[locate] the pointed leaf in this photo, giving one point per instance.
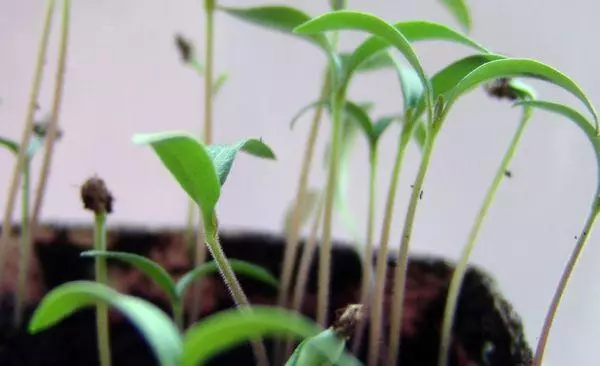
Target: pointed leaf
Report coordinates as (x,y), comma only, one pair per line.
(358,115)
(240,267)
(412,88)
(150,268)
(223,156)
(308,206)
(10,145)
(190,164)
(229,328)
(352,20)
(381,126)
(460,10)
(513,67)
(413,31)
(156,327)
(305,109)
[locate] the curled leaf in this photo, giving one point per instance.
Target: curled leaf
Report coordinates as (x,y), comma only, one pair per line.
(156,327)
(229,328)
(223,156)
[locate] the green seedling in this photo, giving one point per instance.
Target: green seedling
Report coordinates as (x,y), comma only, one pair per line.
(175,291)
(201,171)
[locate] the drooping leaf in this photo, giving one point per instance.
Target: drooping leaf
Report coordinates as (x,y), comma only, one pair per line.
(380,29)
(156,327)
(240,267)
(308,207)
(412,88)
(10,145)
(460,10)
(190,164)
(413,31)
(515,67)
(358,115)
(305,109)
(150,268)
(277,17)
(229,328)
(223,156)
(570,113)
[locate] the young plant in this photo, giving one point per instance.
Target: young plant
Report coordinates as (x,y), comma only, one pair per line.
(175,291)
(201,171)
(385,35)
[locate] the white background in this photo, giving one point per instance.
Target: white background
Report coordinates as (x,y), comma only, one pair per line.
(124,76)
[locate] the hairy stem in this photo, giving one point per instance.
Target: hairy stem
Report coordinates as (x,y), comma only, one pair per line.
(325,248)
(200,257)
(367,260)
(52,131)
(232,283)
(289,257)
(564,279)
(401,264)
(25,248)
(461,267)
(101,277)
(11,196)
(381,264)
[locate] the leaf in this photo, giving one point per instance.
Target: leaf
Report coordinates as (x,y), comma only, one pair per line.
(219,83)
(420,134)
(229,328)
(305,109)
(277,17)
(240,267)
(190,164)
(512,67)
(460,10)
(309,204)
(413,31)
(362,119)
(381,60)
(152,269)
(352,20)
(223,156)
(324,348)
(381,126)
(10,145)
(156,327)
(571,114)
(411,86)
(35,143)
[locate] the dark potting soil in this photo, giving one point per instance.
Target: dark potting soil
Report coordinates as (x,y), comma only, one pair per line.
(487,331)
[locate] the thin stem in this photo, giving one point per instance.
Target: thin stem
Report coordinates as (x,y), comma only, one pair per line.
(325,248)
(461,267)
(101,277)
(381,265)
(52,131)
(564,279)
(25,247)
(401,264)
(178,315)
(26,135)
(304,266)
(199,259)
(232,283)
(367,265)
(289,257)
(191,213)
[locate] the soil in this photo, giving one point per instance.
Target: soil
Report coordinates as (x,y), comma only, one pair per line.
(487,330)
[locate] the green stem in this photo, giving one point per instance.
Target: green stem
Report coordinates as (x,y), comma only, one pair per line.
(178,314)
(381,264)
(21,297)
(52,131)
(26,135)
(401,264)
(459,272)
(325,248)
(543,339)
(102,278)
(367,260)
(232,283)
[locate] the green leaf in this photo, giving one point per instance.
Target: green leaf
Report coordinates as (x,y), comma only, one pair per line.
(381,126)
(352,20)
(10,145)
(190,164)
(412,89)
(381,60)
(571,114)
(513,67)
(223,156)
(305,109)
(156,327)
(240,267)
(324,348)
(229,328)
(309,204)
(219,83)
(460,10)
(152,269)
(277,17)
(420,134)
(363,120)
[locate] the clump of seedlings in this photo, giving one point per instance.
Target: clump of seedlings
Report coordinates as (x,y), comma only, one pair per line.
(201,168)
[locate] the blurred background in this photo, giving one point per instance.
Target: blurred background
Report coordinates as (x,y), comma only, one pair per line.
(124,76)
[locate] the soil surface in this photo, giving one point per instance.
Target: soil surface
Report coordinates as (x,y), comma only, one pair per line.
(487,331)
